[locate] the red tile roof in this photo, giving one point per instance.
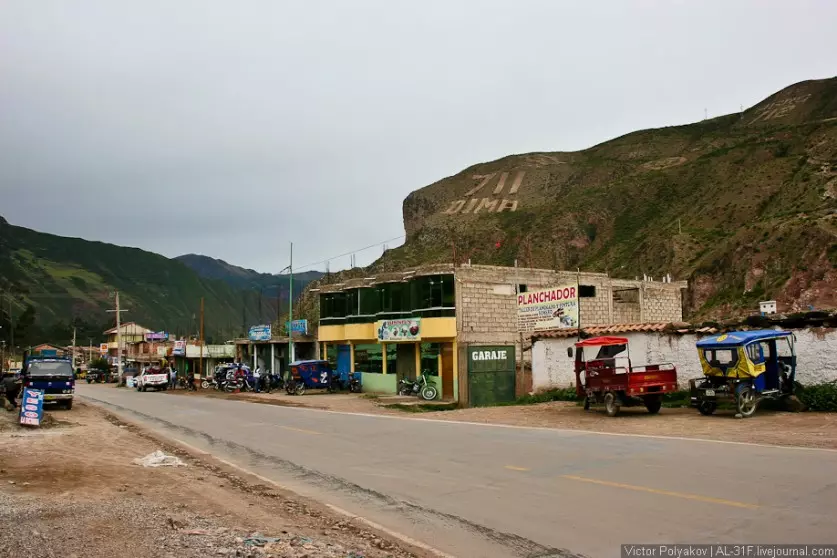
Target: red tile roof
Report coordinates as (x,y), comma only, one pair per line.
(616,329)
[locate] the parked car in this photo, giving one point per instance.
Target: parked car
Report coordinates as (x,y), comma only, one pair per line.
(152,377)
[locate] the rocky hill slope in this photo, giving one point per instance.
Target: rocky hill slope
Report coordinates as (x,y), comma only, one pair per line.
(743,206)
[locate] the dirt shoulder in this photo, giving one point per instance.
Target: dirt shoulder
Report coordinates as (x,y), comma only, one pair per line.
(814,430)
(71,489)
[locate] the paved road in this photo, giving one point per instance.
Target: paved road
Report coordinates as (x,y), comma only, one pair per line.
(484,490)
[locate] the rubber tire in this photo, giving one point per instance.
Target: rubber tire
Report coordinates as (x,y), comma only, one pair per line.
(653,404)
(587,403)
(144,388)
(749,391)
(299,389)
(429,393)
(355,388)
(205,384)
(68,405)
(706,408)
(611,404)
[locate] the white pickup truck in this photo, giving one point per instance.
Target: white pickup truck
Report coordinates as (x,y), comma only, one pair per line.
(152,378)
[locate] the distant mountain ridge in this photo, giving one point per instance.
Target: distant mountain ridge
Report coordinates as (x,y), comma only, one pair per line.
(55,283)
(744,206)
(242,278)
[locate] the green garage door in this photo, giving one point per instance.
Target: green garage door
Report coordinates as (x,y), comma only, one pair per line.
(490,375)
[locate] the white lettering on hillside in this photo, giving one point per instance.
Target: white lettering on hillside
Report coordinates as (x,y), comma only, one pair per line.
(495,204)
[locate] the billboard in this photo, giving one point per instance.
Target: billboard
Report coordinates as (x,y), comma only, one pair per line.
(553,308)
(179,348)
(297,326)
(157,336)
(260,333)
(393,331)
(103,349)
(32,407)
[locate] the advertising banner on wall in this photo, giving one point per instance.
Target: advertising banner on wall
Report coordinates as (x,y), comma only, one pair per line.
(394,331)
(554,308)
(260,333)
(179,348)
(103,349)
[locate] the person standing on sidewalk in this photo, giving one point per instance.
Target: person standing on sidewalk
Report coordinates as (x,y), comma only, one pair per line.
(257,379)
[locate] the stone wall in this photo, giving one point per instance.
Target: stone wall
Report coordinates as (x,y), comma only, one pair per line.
(552,368)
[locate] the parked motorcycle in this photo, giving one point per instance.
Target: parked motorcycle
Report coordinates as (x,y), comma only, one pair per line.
(354,385)
(420,387)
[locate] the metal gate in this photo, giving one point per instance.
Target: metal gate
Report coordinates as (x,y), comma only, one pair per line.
(490,374)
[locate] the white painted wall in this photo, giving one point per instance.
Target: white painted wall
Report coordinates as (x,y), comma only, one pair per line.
(816,351)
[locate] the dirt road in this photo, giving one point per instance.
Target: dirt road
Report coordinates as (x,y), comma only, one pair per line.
(71,490)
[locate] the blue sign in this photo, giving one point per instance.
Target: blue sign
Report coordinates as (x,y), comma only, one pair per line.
(49,353)
(32,407)
(297,326)
(260,333)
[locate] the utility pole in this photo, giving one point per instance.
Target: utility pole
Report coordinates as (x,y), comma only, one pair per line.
(74,349)
(118,339)
(89,351)
(200,366)
(291,309)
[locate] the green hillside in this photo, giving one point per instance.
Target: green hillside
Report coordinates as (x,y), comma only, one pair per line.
(242,278)
(70,281)
(743,206)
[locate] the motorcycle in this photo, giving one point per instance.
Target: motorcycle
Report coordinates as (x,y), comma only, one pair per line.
(273,381)
(207,383)
(420,387)
(354,385)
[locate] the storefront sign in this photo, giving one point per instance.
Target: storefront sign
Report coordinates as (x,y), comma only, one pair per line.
(103,349)
(157,336)
(260,333)
(32,407)
(297,326)
(179,348)
(490,355)
(555,308)
(391,331)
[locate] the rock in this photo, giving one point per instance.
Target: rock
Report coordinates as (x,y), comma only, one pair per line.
(12,482)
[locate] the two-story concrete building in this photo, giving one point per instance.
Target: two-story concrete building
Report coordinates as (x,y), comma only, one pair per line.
(458,325)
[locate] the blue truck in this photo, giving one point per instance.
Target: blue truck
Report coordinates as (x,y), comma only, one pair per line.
(53,375)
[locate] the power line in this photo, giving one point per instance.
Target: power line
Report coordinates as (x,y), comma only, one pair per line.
(349,253)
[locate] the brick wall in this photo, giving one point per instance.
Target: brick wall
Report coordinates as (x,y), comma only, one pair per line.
(487,308)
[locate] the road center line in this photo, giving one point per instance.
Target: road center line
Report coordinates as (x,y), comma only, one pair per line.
(515,468)
(650,490)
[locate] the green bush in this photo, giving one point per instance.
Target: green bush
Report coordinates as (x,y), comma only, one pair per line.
(820,397)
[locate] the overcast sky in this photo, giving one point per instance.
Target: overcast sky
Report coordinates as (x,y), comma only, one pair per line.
(229,128)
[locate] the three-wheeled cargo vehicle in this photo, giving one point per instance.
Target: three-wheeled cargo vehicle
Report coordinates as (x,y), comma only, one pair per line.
(746,366)
(310,374)
(609,377)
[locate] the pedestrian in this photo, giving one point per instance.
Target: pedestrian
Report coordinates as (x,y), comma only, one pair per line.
(257,379)
(173,377)
(267,378)
(11,384)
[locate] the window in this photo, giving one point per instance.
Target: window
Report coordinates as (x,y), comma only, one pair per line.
(721,357)
(430,358)
(369,301)
(392,359)
(394,300)
(369,358)
(610,351)
(522,288)
(586,291)
(433,296)
(332,308)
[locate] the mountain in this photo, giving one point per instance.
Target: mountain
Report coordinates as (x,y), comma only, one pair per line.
(57,282)
(743,206)
(241,278)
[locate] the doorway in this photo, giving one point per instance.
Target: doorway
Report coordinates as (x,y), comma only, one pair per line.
(447,370)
